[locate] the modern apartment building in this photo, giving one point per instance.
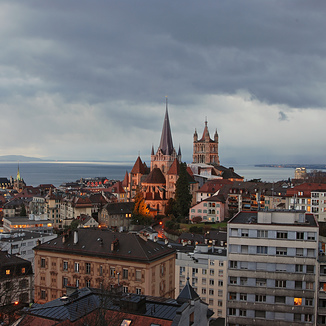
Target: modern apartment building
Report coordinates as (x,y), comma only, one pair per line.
(206,270)
(272,268)
(102,259)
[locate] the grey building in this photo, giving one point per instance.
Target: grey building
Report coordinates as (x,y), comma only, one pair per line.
(272,268)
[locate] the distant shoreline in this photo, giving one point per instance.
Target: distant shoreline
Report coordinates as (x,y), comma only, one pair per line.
(293,166)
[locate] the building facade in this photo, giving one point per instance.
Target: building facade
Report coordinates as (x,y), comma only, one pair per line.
(272,268)
(101,258)
(206,269)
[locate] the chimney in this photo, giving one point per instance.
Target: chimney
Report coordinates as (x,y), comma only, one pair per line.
(75,237)
(115,245)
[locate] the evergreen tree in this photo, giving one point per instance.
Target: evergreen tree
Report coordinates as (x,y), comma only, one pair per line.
(183,196)
(23,210)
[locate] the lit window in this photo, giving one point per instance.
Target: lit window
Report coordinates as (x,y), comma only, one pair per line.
(23,270)
(126,322)
(7,271)
(297,301)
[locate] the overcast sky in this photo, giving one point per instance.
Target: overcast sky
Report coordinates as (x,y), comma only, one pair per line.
(87,80)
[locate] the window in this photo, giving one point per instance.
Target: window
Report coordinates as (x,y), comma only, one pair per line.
(220,293)
(262,234)
(212,263)
(260,298)
(211,292)
(42,262)
(220,303)
(125,289)
(260,314)
(307,317)
(88,283)
(182,269)
(220,264)
(299,252)
(234,232)
(43,294)
(299,268)
(138,275)
(281,235)
(279,299)
(309,285)
(242,312)
(310,269)
(243,280)
(101,270)
(203,281)
(281,267)
(233,280)
(311,252)
(138,291)
(311,236)
(243,296)
(281,251)
(88,268)
(7,271)
(244,233)
(204,271)
(76,267)
(297,301)
(220,283)
(211,272)
(65,265)
(125,273)
(300,235)
(220,273)
(297,317)
(77,283)
(112,271)
(233,264)
(194,271)
(64,281)
(211,282)
(261,282)
(203,291)
(244,249)
(23,270)
(280,283)
(125,322)
(232,296)
(262,250)
(232,311)
(298,285)
(309,302)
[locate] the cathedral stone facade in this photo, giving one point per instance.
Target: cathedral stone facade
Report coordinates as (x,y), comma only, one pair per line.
(206,149)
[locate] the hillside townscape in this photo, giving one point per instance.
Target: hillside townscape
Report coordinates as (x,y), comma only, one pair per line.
(170,244)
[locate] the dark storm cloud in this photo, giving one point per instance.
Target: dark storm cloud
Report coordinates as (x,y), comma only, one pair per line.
(106,66)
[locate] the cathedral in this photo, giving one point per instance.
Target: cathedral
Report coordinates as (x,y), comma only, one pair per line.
(206,149)
(158,182)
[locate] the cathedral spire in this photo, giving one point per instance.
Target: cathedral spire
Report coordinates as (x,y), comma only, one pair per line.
(166,144)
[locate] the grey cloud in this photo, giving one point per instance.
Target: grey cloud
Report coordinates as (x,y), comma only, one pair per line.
(282,116)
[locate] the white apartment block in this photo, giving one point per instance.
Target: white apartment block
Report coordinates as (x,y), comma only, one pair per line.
(206,268)
(272,268)
(21,244)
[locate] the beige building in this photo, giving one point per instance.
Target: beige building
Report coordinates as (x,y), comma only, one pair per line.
(206,269)
(98,258)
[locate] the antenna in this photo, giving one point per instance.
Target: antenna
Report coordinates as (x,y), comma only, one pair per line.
(166,101)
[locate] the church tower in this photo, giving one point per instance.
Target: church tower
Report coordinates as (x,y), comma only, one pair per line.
(166,153)
(205,150)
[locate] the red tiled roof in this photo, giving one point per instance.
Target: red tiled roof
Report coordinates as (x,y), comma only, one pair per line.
(125,181)
(212,186)
(138,167)
(174,168)
(305,188)
(155,177)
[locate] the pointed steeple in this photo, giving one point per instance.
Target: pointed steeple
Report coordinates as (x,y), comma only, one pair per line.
(187,293)
(18,173)
(179,152)
(152,153)
(205,132)
(166,144)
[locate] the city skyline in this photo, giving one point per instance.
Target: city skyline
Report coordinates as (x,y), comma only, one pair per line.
(89,82)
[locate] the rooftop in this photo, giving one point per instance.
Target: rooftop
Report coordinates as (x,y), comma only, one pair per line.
(108,244)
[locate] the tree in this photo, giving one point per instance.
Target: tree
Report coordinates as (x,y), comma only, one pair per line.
(140,214)
(170,207)
(23,210)
(183,196)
